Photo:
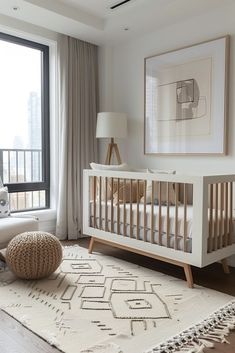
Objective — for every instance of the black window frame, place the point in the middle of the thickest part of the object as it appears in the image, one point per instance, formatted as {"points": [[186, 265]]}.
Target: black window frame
{"points": [[43, 185]]}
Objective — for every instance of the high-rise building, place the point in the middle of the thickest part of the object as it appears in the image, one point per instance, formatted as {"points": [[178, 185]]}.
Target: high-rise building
{"points": [[34, 134], [34, 121]]}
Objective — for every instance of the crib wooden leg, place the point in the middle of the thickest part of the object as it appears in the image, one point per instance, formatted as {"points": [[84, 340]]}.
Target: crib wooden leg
{"points": [[91, 245], [188, 275], [225, 266]]}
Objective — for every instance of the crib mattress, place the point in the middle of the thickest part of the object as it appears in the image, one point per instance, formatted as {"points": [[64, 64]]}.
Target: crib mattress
{"points": [[187, 228], [180, 240], [148, 216]]}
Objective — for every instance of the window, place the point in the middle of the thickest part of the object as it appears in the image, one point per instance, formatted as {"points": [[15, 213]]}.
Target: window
{"points": [[24, 122]]}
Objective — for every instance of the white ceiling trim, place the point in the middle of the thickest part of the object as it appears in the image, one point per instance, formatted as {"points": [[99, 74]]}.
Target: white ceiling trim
{"points": [[54, 21], [75, 14]]}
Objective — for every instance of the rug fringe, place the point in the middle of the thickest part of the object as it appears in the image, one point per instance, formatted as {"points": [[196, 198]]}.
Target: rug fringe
{"points": [[204, 335]]}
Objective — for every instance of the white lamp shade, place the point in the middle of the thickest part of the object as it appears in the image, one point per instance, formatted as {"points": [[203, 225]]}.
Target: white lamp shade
{"points": [[110, 125]]}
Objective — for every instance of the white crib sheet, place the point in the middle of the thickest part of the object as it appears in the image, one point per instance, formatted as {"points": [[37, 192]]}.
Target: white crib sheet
{"points": [[180, 235], [180, 240], [148, 216]]}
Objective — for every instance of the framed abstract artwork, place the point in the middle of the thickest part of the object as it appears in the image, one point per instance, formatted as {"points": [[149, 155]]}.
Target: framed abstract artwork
{"points": [[186, 100]]}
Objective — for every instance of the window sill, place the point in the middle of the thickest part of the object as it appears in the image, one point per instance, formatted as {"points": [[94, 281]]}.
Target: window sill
{"points": [[42, 215]]}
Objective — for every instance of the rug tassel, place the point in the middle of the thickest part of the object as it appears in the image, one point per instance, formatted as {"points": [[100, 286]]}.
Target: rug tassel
{"points": [[206, 343], [197, 348], [200, 350], [204, 335]]}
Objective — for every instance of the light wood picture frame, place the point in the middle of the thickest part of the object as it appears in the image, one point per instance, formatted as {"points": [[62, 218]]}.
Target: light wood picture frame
{"points": [[186, 100]]}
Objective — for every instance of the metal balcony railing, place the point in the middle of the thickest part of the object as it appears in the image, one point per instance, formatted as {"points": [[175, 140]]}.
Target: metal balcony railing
{"points": [[22, 166]]}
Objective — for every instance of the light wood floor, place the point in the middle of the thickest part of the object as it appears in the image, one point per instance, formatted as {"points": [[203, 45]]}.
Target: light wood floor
{"points": [[14, 338]]}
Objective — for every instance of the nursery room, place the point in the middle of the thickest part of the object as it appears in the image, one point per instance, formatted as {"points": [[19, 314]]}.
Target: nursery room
{"points": [[117, 172]]}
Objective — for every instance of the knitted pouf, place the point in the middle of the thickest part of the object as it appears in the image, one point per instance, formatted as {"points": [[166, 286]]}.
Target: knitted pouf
{"points": [[34, 255]]}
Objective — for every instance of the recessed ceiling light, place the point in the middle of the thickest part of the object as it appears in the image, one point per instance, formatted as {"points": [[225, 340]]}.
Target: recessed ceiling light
{"points": [[15, 8], [126, 28]]}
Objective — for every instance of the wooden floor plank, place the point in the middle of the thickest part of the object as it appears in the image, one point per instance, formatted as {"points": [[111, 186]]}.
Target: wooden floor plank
{"points": [[15, 338]]}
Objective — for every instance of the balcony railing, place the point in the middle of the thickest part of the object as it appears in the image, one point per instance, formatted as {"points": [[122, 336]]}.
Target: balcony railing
{"points": [[22, 166]]}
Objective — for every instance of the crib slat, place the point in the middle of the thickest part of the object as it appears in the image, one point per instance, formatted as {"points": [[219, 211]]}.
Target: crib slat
{"points": [[118, 206], [160, 213], [231, 214], [152, 215], [94, 201], [168, 216], [221, 224], [176, 215], [112, 223], [106, 204], [138, 209], [216, 218], [226, 216], [124, 207], [100, 208], [145, 218], [185, 217], [131, 215], [210, 239]]}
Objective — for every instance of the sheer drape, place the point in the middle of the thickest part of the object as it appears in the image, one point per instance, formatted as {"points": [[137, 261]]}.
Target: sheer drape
{"points": [[78, 106]]}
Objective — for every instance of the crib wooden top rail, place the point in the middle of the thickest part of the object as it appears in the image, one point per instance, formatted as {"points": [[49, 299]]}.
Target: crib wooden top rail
{"points": [[176, 178]]}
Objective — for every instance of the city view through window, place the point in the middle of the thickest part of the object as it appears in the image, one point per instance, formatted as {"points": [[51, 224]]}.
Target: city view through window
{"points": [[21, 159]]}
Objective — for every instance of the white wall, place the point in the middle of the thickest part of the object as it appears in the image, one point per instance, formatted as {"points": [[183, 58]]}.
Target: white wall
{"points": [[126, 88]]}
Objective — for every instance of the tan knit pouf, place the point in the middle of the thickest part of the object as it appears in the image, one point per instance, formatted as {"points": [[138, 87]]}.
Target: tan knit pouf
{"points": [[34, 255]]}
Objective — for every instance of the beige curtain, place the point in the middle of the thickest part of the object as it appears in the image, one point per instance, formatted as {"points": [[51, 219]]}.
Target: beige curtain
{"points": [[78, 107]]}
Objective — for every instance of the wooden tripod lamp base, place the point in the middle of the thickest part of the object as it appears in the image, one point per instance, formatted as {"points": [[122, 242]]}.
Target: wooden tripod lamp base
{"points": [[112, 148], [111, 125]]}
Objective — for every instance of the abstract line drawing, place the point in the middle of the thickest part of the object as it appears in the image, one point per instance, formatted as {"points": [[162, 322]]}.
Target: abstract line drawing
{"points": [[188, 102]]}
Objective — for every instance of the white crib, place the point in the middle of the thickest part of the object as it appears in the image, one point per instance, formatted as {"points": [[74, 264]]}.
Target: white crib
{"points": [[197, 230]]}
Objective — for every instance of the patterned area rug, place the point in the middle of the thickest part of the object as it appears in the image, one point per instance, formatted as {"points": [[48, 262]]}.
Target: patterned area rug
{"points": [[99, 304]]}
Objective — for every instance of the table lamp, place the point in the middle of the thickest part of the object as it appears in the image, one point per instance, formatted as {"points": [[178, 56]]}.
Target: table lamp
{"points": [[111, 125]]}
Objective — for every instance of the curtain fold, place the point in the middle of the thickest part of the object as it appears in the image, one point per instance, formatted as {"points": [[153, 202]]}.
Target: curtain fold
{"points": [[78, 107]]}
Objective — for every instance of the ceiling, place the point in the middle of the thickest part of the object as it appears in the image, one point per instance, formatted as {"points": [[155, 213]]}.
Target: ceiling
{"points": [[96, 7], [92, 20]]}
